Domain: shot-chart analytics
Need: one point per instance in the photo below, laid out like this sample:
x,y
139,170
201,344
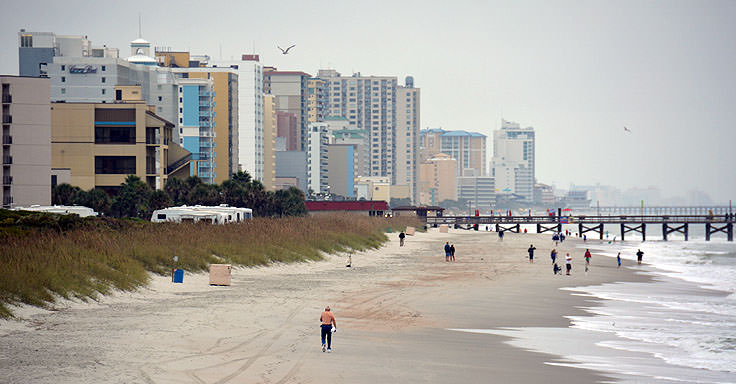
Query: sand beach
x,y
397,309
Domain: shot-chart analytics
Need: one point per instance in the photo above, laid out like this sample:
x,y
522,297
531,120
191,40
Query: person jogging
x,y
328,324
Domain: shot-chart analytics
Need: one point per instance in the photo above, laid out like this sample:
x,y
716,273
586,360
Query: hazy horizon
x,y
577,71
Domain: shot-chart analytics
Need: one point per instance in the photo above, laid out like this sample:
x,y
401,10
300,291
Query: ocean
x,y
679,328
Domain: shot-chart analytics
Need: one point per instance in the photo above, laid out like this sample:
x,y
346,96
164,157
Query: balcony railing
x,y
7,180
178,163
7,99
7,139
7,159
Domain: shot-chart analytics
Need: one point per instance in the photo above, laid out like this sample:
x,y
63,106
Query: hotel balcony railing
x,y
7,159
206,144
7,99
7,139
7,180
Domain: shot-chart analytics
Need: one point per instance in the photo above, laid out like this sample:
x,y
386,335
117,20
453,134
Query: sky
x,y
576,71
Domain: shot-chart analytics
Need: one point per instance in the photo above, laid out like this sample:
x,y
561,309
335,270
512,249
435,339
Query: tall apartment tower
x,y
197,126
26,141
290,88
378,105
513,160
317,141
251,113
269,142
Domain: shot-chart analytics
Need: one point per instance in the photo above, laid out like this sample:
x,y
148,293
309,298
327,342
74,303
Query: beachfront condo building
x,y
269,142
251,114
26,141
438,179
196,126
341,169
317,91
513,161
290,91
388,113
317,141
468,148
477,190
97,145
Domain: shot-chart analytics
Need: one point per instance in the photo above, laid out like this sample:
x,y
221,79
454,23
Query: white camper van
x,y
60,209
194,214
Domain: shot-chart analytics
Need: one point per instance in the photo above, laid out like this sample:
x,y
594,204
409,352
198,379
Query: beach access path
x,y
394,308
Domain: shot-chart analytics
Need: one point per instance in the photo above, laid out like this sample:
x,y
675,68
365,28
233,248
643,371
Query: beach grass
x,y
38,266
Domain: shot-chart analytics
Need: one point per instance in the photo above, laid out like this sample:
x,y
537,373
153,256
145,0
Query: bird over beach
x,y
285,51
627,130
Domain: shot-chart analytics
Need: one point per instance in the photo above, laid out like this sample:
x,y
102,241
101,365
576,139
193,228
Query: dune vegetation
x,y
44,257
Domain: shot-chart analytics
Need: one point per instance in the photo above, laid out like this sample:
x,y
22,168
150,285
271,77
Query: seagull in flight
x,y
627,130
285,51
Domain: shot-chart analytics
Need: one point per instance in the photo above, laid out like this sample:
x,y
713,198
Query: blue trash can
x,y
178,276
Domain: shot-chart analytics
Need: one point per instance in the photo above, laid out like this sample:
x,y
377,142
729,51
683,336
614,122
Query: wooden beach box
x,y
220,274
410,231
444,228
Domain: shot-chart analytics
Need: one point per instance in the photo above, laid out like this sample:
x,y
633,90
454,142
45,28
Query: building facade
x,y
371,103
269,142
438,178
317,141
478,190
290,88
468,148
341,169
250,114
513,160
196,126
26,141
99,145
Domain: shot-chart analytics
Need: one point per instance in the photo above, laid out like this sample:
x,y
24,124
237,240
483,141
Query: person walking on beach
x,y
562,238
448,250
587,257
452,252
328,326
568,263
555,238
401,238
553,255
531,252
618,259
500,235
639,256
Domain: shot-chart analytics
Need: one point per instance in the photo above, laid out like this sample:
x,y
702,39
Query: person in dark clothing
x,y
556,268
500,235
639,256
531,252
553,255
452,252
448,250
401,238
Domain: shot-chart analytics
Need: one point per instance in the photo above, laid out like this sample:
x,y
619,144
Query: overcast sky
x,y
577,71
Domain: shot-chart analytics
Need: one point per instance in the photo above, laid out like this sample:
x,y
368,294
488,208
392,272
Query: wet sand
x,y
395,308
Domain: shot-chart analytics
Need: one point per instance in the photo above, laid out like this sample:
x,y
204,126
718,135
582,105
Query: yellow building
x,y
437,179
99,145
269,142
316,99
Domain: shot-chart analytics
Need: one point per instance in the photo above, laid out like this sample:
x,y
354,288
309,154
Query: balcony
x,y
7,139
7,160
7,99
7,180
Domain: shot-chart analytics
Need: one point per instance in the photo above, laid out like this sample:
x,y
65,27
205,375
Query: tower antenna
x,y
140,35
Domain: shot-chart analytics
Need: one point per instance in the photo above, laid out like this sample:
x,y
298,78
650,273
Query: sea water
x,y
681,327
686,318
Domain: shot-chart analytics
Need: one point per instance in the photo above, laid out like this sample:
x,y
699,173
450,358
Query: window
x,y
103,79
103,91
114,165
105,134
63,91
63,67
26,41
160,98
103,68
63,79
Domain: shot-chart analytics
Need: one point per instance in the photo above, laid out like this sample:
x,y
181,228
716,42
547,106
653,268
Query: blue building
x,y
196,126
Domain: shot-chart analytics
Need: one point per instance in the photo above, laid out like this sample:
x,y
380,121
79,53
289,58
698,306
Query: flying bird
x,y
627,130
285,51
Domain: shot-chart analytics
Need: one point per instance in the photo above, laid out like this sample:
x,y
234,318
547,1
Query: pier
x,y
713,224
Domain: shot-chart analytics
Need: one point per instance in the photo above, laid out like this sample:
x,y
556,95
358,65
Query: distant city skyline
x,y
578,72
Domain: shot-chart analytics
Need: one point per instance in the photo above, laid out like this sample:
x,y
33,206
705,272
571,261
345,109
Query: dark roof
x,y
365,205
415,208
